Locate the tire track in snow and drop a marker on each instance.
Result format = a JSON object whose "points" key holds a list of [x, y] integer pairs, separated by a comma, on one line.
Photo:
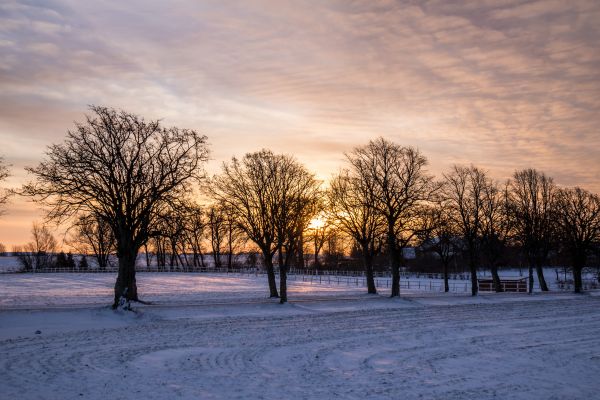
{"points": [[436, 351]]}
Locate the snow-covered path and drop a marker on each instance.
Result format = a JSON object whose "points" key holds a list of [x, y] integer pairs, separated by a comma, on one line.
{"points": [[216, 336], [509, 346]]}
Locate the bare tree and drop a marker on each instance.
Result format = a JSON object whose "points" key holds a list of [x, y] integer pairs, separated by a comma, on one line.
{"points": [[123, 169], [39, 253], [441, 236], [265, 194], [464, 192], [235, 237], [194, 233], [4, 194], [398, 185], [92, 235], [299, 203], [247, 186], [532, 196], [351, 207], [170, 234], [578, 218], [316, 235], [217, 225], [496, 226]]}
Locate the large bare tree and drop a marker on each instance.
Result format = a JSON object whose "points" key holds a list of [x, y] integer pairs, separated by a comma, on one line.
{"points": [[399, 184], [532, 196], [268, 195], [351, 207], [123, 169], [578, 218], [464, 193]]}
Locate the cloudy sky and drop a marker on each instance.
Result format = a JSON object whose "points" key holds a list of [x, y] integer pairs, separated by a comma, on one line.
{"points": [[501, 84]]}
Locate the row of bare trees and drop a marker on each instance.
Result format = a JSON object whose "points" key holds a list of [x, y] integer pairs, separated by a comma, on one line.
{"points": [[122, 178], [385, 200]]}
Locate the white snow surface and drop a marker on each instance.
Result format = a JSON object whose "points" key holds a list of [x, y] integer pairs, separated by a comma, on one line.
{"points": [[220, 337]]}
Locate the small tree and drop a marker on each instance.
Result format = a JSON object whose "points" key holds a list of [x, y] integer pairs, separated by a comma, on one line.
{"points": [[83, 264], [532, 200], [316, 236], [299, 203], [352, 210], [578, 218], [442, 235], [464, 192], [216, 221], [496, 226], [39, 253], [125, 171], [4, 194], [70, 261], [61, 261], [92, 235], [195, 228]]}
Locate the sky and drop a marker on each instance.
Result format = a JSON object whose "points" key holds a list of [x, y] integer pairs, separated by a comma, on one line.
{"points": [[503, 85]]}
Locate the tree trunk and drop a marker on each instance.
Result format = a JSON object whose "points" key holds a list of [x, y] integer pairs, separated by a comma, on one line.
{"points": [[147, 256], [530, 280], [300, 263], [217, 259], [578, 263], [282, 284], [446, 285], [496, 279], [173, 259], [541, 279], [268, 259], [230, 249], [395, 281], [282, 275], [368, 259], [473, 269], [125, 286], [577, 281], [202, 260], [394, 261], [474, 287]]}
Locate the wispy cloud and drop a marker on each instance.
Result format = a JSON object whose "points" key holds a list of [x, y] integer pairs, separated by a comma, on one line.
{"points": [[502, 84]]}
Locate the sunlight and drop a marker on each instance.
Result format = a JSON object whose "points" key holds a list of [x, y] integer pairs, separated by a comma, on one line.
{"points": [[316, 223]]}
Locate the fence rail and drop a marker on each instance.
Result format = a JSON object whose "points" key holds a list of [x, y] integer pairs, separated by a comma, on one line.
{"points": [[458, 283], [255, 271]]}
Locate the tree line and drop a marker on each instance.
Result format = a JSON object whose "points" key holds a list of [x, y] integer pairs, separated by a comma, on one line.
{"points": [[134, 183]]}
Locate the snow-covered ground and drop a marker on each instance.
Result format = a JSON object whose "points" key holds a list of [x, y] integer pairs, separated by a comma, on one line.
{"points": [[219, 337]]}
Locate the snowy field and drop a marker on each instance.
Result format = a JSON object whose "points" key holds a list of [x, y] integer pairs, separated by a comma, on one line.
{"points": [[219, 337]]}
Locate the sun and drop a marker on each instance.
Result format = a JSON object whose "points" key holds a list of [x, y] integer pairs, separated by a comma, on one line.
{"points": [[316, 223]]}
